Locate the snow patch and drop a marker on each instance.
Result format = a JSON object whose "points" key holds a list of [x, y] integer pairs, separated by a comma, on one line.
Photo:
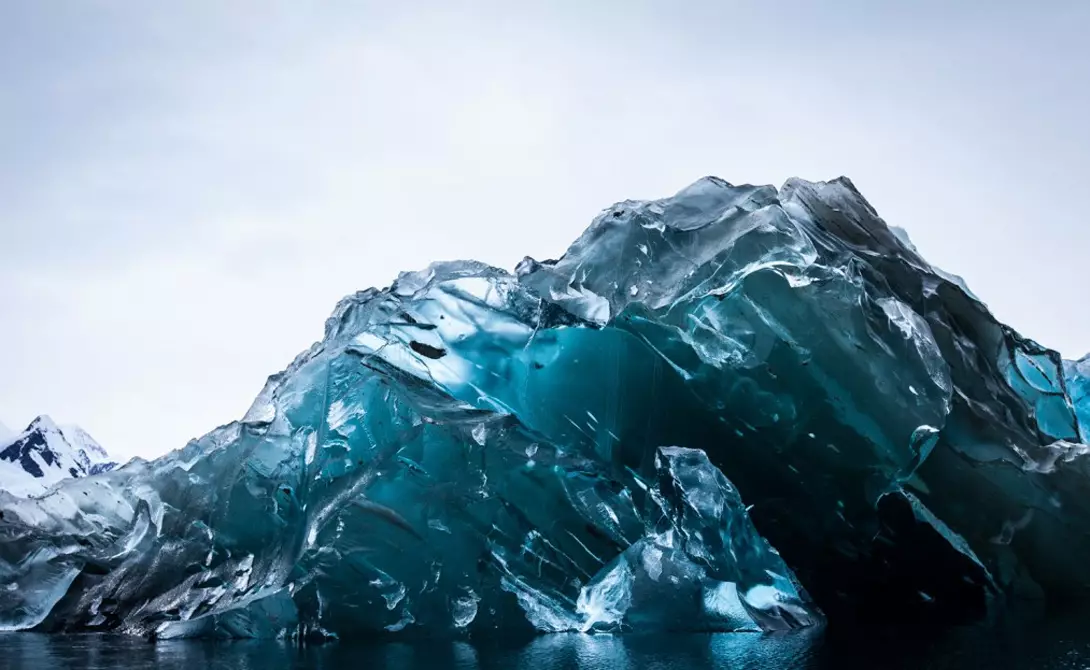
{"points": [[44, 454]]}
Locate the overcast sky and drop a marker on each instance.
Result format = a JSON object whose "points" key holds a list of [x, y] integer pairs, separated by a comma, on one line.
{"points": [[186, 189]]}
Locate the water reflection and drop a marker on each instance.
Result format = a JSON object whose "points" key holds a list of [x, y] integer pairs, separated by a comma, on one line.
{"points": [[660, 652], [571, 650], [1046, 643], [553, 652]]}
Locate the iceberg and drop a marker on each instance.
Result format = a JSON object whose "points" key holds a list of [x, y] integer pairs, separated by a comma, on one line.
{"points": [[739, 408]]}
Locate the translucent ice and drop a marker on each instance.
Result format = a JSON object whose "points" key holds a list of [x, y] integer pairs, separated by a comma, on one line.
{"points": [[701, 564], [1077, 374], [471, 450]]}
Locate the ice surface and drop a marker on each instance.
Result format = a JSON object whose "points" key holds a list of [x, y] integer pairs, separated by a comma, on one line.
{"points": [[569, 448], [1077, 374], [700, 565]]}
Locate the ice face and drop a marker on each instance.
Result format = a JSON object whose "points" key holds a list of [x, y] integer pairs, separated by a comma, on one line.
{"points": [[1077, 375], [568, 448], [700, 565]]}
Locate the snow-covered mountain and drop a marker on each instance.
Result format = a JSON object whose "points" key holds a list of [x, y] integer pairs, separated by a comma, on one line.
{"points": [[45, 453]]}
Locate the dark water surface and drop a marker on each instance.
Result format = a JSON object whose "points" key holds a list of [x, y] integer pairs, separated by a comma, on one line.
{"points": [[1045, 644]]}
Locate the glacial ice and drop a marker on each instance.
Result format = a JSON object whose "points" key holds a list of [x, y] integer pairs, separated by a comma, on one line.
{"points": [[1077, 375], [739, 408]]}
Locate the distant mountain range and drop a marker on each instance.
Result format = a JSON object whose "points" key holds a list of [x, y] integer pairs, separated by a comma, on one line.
{"points": [[46, 453]]}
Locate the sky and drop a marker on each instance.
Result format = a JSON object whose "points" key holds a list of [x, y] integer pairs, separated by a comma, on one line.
{"points": [[186, 189]]}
